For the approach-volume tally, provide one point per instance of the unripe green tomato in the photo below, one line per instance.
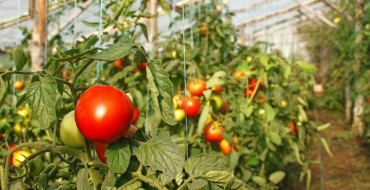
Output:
(69, 133)
(179, 115)
(36, 166)
(283, 104)
(217, 103)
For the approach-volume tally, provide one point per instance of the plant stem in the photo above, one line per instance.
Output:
(186, 182)
(129, 183)
(149, 181)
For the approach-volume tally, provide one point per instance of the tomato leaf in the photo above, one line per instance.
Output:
(270, 112)
(4, 90)
(144, 30)
(277, 176)
(82, 180)
(261, 181)
(161, 89)
(197, 184)
(109, 181)
(216, 79)
(115, 51)
(203, 118)
(275, 137)
(43, 181)
(226, 179)
(307, 67)
(20, 58)
(41, 97)
(162, 154)
(118, 156)
(200, 164)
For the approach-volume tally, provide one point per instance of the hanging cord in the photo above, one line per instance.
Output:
(17, 43)
(46, 32)
(319, 155)
(100, 38)
(74, 24)
(185, 82)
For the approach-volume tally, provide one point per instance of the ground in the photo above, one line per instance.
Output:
(349, 167)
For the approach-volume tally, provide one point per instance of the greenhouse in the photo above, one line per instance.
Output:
(184, 94)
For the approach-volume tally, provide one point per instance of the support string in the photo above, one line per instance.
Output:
(46, 32)
(100, 37)
(185, 82)
(74, 24)
(17, 43)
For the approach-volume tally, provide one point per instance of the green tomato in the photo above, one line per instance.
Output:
(69, 133)
(179, 115)
(36, 166)
(216, 102)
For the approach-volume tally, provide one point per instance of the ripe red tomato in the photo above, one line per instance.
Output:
(213, 132)
(196, 86)
(225, 147)
(103, 113)
(218, 89)
(252, 84)
(142, 66)
(100, 151)
(118, 63)
(136, 114)
(69, 133)
(19, 85)
(248, 92)
(292, 128)
(191, 106)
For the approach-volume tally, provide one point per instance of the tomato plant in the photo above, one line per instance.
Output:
(103, 113)
(69, 133)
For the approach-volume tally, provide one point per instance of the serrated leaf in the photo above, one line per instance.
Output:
(307, 67)
(82, 180)
(41, 97)
(197, 184)
(276, 177)
(115, 51)
(223, 178)
(274, 137)
(259, 180)
(20, 58)
(4, 90)
(162, 154)
(270, 112)
(200, 164)
(161, 89)
(118, 156)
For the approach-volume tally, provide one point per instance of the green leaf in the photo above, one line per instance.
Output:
(216, 79)
(226, 178)
(276, 177)
(109, 181)
(197, 184)
(41, 96)
(264, 60)
(203, 118)
(287, 71)
(326, 146)
(296, 152)
(4, 90)
(261, 181)
(144, 30)
(307, 67)
(118, 156)
(274, 137)
(200, 164)
(165, 6)
(161, 89)
(270, 112)
(115, 51)
(82, 180)
(132, 186)
(323, 127)
(247, 111)
(43, 181)
(20, 58)
(162, 154)
(302, 114)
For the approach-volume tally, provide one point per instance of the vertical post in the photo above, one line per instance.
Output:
(37, 43)
(358, 125)
(152, 22)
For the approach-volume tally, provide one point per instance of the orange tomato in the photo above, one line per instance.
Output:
(19, 85)
(226, 147)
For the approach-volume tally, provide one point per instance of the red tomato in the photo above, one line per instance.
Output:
(1, 136)
(196, 87)
(218, 89)
(118, 63)
(252, 84)
(100, 151)
(103, 113)
(292, 128)
(142, 66)
(136, 114)
(225, 106)
(213, 132)
(248, 92)
(191, 106)
(226, 147)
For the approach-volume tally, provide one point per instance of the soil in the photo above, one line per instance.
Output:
(349, 167)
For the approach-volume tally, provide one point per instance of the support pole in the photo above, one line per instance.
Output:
(152, 23)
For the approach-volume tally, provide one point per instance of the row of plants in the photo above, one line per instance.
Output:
(117, 118)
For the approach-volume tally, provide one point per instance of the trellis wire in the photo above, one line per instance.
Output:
(100, 38)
